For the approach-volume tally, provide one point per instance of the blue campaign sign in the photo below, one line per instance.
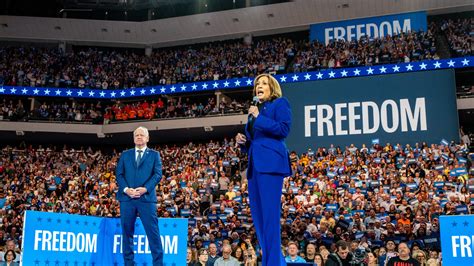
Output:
(66, 239)
(373, 27)
(398, 108)
(457, 239)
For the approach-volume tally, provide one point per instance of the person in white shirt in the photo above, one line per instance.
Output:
(226, 259)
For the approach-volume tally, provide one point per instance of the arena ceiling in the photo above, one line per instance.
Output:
(127, 10)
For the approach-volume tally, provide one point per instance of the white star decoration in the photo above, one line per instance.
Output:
(294, 77)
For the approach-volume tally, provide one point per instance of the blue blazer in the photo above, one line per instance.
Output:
(147, 174)
(267, 150)
(12, 264)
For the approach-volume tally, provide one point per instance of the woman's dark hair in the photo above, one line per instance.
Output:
(6, 253)
(317, 254)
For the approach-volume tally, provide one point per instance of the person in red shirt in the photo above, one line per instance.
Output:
(118, 115)
(108, 116)
(140, 111)
(160, 103)
(148, 114)
(404, 219)
(132, 113)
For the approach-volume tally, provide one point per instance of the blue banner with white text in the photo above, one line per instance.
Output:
(398, 108)
(373, 27)
(67, 239)
(457, 239)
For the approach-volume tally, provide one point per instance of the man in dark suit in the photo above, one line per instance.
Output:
(138, 173)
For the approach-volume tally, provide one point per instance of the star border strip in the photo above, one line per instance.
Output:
(236, 83)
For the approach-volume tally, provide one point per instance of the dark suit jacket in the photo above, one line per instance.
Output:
(267, 148)
(147, 174)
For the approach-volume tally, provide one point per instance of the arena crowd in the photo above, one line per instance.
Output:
(370, 197)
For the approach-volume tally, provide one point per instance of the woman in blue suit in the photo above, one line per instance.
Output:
(264, 141)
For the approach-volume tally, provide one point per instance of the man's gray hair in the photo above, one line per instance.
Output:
(227, 246)
(144, 129)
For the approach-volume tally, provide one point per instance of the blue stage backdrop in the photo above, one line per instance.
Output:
(457, 239)
(398, 108)
(373, 27)
(66, 239)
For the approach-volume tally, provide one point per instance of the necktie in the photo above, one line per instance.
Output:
(139, 157)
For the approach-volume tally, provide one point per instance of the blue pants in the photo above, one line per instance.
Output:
(128, 216)
(265, 205)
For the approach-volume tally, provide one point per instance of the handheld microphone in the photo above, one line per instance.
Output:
(255, 101)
